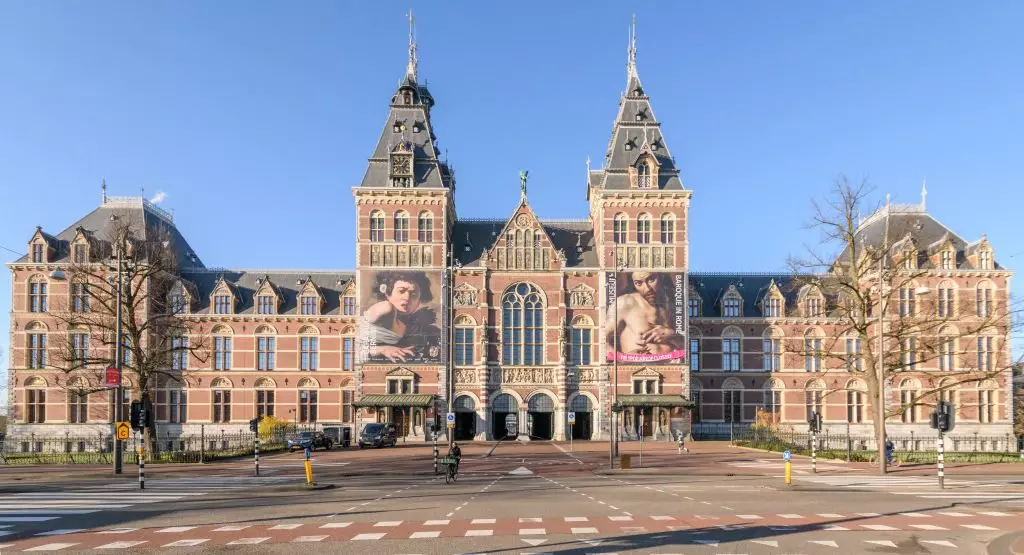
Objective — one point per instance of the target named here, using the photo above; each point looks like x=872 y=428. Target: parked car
x=340 y=435
x=310 y=440
x=378 y=435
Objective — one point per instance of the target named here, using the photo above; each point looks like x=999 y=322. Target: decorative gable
x=524 y=245
x=42 y=248
x=311 y=298
x=223 y=298
x=643 y=173
x=181 y=297
x=581 y=296
x=81 y=246
x=732 y=303
x=267 y=298
x=465 y=296
x=773 y=303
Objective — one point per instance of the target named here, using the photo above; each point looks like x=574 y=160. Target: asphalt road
x=533 y=498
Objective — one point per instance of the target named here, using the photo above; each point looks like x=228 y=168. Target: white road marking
x=427 y=534
x=436 y=522
x=310 y=538
x=186 y=543
x=931 y=527
x=247 y=541
x=977 y=527
x=338 y=525
x=532 y=532
x=285 y=526
x=61 y=532
x=122 y=545
x=364 y=537
x=52 y=547
x=175 y=529
x=584 y=530
x=475 y=533
x=232 y=528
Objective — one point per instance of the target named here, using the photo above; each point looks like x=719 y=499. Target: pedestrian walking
x=681 y=447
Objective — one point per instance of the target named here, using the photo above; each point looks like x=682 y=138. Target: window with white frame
x=309 y=353
x=643 y=176
x=348 y=305
x=309 y=305
x=733 y=401
x=37 y=253
x=80 y=253
x=264 y=403
x=265 y=304
x=908 y=302
x=908 y=404
x=79 y=296
x=945 y=303
x=695 y=353
x=222 y=304
x=425 y=227
x=78 y=405
x=985 y=353
x=522 y=325
x=179 y=352
x=346 y=405
x=987 y=405
x=909 y=259
x=773 y=403
x=348 y=353
x=464 y=343
x=854 y=356
x=79 y=348
x=35 y=405
x=668 y=229
x=222 y=352
x=772 y=353
x=221 y=406
x=620 y=228
x=178 y=406
x=36 y=349
x=855 y=406
x=400 y=385
x=266 y=352
x=377 y=226
x=731 y=353
x=908 y=353
x=773 y=307
x=984 y=301
x=731 y=307
x=812 y=353
x=643 y=229
x=401 y=227
x=814 y=307
x=947 y=353
x=946 y=260
x=694 y=303
x=985 y=259
x=813 y=401
x=37 y=295
x=580 y=341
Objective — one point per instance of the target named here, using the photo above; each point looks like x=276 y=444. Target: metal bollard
x=435 y=453
x=257 y=455
x=142 y=466
x=942 y=462
x=309 y=469
x=789 y=473
x=814 y=453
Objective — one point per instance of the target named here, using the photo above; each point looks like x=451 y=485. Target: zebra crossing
x=204 y=484
x=926 y=487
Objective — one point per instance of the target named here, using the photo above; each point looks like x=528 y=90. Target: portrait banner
x=646 y=319
x=401 y=320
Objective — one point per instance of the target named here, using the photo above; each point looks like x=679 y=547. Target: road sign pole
x=142 y=465
x=814 y=452
x=789 y=467
x=435 y=448
x=257 y=455
x=942 y=462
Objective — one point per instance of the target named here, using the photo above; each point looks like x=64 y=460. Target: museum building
x=511 y=324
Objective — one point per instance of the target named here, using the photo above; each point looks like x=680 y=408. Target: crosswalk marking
x=923 y=487
x=121 y=545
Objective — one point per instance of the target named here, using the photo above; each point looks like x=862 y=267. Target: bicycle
x=451 y=471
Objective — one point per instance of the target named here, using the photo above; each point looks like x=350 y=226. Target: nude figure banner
x=646 y=319
x=401 y=316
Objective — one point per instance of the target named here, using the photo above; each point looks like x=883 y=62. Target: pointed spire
x=410 y=70
x=631 y=50
x=924 y=193
x=103 y=188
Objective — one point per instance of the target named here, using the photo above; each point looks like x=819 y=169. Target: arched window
x=401 y=226
x=264 y=397
x=668 y=229
x=772 y=350
x=464 y=340
x=308 y=401
x=732 y=340
x=947 y=348
x=309 y=349
x=988 y=399
x=908 y=301
x=425 y=227
x=945 y=305
x=854 y=354
x=643 y=176
x=813 y=350
x=983 y=298
x=580 y=339
x=266 y=348
x=522 y=325
x=986 y=352
x=36 y=344
x=856 y=393
x=732 y=400
x=464 y=403
x=909 y=390
x=581 y=403
x=377 y=226
x=814 y=397
x=78 y=400
x=37 y=294
x=222 y=348
x=79 y=295
x=221 y=400
x=643 y=229
x=773 y=406
x=731 y=305
x=35 y=400
x=620 y=228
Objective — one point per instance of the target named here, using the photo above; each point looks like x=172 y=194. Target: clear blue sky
x=256 y=118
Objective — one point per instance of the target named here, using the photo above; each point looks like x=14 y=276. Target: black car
x=310 y=440
x=378 y=435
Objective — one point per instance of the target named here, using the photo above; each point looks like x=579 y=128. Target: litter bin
x=625 y=462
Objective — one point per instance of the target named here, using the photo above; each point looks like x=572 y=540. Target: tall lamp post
x=613 y=414
x=118 y=359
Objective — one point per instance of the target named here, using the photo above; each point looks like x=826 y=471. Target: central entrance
x=540 y=411
x=584 y=410
x=504 y=417
x=465 y=418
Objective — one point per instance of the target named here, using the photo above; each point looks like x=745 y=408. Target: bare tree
x=863 y=276
x=156 y=343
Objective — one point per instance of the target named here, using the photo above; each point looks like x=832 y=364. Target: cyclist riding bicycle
x=456 y=452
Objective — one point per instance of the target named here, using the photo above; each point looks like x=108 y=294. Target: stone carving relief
x=465 y=376
x=589 y=375
x=524 y=376
x=581 y=297
x=465 y=296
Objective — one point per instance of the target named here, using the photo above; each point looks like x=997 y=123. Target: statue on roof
x=523 y=175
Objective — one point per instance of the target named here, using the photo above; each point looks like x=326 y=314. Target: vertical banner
x=402 y=321
x=646 y=317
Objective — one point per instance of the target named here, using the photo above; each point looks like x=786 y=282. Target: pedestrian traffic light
x=136 y=415
x=943 y=418
x=814 y=422
x=254 y=425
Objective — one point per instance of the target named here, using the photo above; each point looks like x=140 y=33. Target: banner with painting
x=646 y=319
x=401 y=318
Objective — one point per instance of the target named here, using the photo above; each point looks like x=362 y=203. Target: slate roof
x=471 y=237
x=148 y=221
x=246 y=282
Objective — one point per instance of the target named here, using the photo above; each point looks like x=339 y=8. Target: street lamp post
x=119 y=363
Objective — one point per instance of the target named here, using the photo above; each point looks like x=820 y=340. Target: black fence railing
x=913 y=448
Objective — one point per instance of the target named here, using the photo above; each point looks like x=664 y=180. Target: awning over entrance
x=651 y=400
x=407 y=400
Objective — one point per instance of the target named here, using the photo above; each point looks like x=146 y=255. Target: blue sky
x=256 y=118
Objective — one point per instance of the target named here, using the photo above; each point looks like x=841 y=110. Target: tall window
x=731 y=307
x=985 y=353
x=78 y=407
x=80 y=254
x=177 y=303
x=854 y=406
x=37 y=253
x=348 y=305
x=694 y=306
x=348 y=353
x=731 y=354
x=222 y=304
x=695 y=353
x=178 y=406
x=580 y=343
x=946 y=260
x=643 y=229
x=522 y=325
x=945 y=301
x=698 y=406
x=307 y=406
x=907 y=302
x=264 y=403
x=179 y=353
x=265 y=304
x=126 y=400
x=947 y=354
x=309 y=353
x=464 y=345
x=733 y=405
x=909 y=406
x=425 y=226
x=643 y=176
x=773 y=403
x=812 y=354
x=668 y=229
x=377 y=226
x=79 y=297
x=37 y=296
x=401 y=227
x=221 y=406
x=399 y=386
x=221 y=352
x=346 y=406
x=772 y=354
x=813 y=402
x=265 y=352
x=36 y=350
x=984 y=301
x=772 y=307
x=985 y=260
x=854 y=357
x=310 y=305
x=79 y=348
x=987 y=406
x=908 y=353
x=35 y=406
x=620 y=228
x=814 y=307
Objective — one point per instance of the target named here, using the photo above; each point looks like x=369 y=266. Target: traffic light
x=814 y=422
x=254 y=425
x=943 y=419
x=136 y=417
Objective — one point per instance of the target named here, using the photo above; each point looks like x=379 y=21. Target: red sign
x=112 y=380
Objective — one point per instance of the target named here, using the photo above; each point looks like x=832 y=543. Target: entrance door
x=465 y=418
x=398 y=418
x=541 y=410
x=504 y=413
x=584 y=417
x=648 y=415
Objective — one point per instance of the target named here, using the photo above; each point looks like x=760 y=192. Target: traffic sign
x=451 y=417
x=572 y=417
x=111 y=377
x=124 y=430
x=786 y=456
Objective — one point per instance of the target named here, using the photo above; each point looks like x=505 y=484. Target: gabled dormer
x=267 y=299
x=42 y=248
x=82 y=246
x=942 y=253
x=348 y=298
x=731 y=303
x=643 y=172
x=811 y=301
x=311 y=298
x=773 y=302
x=223 y=297
x=980 y=254
x=523 y=244
x=904 y=253
x=181 y=297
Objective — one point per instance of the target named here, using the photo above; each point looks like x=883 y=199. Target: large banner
x=401 y=320
x=646 y=320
